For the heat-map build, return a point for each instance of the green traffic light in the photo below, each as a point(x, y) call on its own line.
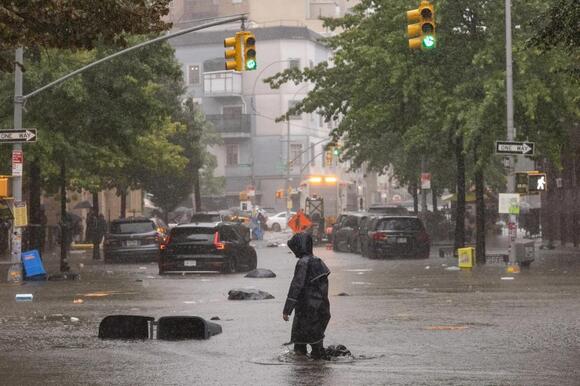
point(336, 152)
point(251, 64)
point(429, 42)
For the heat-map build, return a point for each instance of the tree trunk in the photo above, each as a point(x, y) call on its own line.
point(479, 216)
point(96, 241)
point(415, 197)
point(196, 190)
point(36, 229)
point(460, 203)
point(65, 222)
point(123, 194)
point(434, 198)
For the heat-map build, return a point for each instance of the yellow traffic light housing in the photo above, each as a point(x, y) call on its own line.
point(421, 32)
point(241, 52)
point(5, 187)
point(249, 40)
point(233, 53)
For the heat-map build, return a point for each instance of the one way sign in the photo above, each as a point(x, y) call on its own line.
point(16, 136)
point(515, 148)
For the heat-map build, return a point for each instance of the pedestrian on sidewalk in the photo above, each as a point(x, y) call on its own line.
point(308, 297)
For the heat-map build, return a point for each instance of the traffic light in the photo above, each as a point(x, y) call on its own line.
point(233, 52)
point(537, 182)
point(336, 151)
point(328, 157)
point(421, 32)
point(249, 42)
point(522, 183)
point(280, 193)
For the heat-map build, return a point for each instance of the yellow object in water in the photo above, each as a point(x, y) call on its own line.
point(466, 257)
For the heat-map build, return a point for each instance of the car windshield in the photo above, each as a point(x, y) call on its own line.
point(205, 217)
point(132, 227)
point(399, 224)
point(386, 210)
point(189, 234)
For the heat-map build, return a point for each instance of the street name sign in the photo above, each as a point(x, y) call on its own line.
point(17, 136)
point(515, 148)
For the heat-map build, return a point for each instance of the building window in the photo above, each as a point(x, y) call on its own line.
point(232, 111)
point(193, 74)
point(294, 64)
point(232, 154)
point(296, 154)
point(294, 116)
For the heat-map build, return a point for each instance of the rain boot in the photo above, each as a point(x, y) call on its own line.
point(300, 349)
point(318, 351)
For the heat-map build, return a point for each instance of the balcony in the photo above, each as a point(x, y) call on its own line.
point(222, 84)
point(239, 126)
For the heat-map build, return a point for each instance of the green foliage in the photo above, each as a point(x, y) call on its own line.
point(396, 106)
point(72, 24)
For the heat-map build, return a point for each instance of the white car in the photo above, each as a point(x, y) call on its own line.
point(278, 222)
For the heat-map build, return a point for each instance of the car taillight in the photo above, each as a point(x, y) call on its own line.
point(164, 241)
point(423, 237)
point(378, 235)
point(217, 243)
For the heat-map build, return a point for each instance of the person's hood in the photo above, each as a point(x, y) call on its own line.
point(301, 244)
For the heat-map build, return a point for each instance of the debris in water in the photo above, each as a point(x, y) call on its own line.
point(261, 273)
point(248, 294)
point(273, 245)
point(74, 320)
point(142, 267)
point(24, 297)
point(453, 268)
point(507, 278)
point(78, 301)
point(427, 267)
point(343, 294)
point(215, 318)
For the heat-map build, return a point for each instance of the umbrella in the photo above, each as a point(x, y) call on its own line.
point(83, 205)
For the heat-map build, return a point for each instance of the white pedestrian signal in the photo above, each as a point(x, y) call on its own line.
point(541, 183)
point(537, 182)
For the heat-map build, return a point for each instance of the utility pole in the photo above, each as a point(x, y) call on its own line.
point(15, 271)
point(512, 226)
point(288, 166)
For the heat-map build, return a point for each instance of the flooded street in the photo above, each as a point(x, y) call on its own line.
point(405, 322)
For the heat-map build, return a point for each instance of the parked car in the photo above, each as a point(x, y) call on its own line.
point(363, 233)
point(220, 246)
point(278, 222)
point(398, 236)
point(345, 233)
point(134, 239)
point(389, 209)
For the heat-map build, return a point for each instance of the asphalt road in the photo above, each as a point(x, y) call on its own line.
point(407, 322)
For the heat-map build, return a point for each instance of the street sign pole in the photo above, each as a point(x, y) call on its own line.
point(512, 226)
point(15, 271)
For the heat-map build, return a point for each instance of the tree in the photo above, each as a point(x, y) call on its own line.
point(447, 101)
point(70, 24)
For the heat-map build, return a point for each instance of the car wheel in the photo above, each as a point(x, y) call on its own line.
point(253, 261)
point(229, 265)
point(276, 227)
point(335, 245)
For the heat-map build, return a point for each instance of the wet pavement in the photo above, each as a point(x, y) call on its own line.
point(406, 322)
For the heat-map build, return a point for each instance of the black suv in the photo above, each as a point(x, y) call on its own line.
point(221, 246)
point(134, 239)
point(345, 233)
point(397, 236)
point(389, 209)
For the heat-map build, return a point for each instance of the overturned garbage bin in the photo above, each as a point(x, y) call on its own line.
point(128, 327)
point(525, 252)
point(186, 327)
